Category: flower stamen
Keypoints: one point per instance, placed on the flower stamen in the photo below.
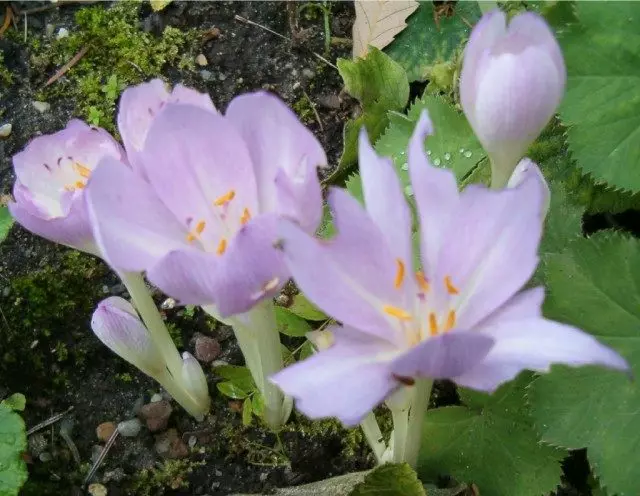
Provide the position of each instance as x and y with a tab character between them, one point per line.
451	289
224	199
222	246
433	324
200	227
423	284
399	274
396	312
246	216
82	170
451	320
80	185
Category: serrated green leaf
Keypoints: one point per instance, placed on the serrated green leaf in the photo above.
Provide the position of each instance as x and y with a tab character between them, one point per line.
327	229
380	85
354	187
238	375
290	324
247	411
390	480
231	390
16	402
433	35
6	221
602	103
13	442
594	285
492	444
302	307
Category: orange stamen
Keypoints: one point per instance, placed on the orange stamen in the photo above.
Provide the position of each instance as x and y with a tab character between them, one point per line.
422	281
224	199
246	216
396	312
82	170
190	237
451	289
222	246
200	227
451	320
399	274
433	324
79	185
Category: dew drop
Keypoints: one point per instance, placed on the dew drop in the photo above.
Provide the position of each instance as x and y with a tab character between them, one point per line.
461	150
447	156
428	152
436	162
405	166
408	190
403	153
467	153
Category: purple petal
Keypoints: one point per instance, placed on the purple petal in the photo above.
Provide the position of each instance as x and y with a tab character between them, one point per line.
385	200
131	225
182	94
527	169
346	381
491	249
526	304
436	194
298	199
445	356
194	158
535	344
276	140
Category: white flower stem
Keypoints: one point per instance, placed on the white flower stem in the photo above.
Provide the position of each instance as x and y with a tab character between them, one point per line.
259	340
400	418
196	407
134	282
419	406
373	435
487	5
499	176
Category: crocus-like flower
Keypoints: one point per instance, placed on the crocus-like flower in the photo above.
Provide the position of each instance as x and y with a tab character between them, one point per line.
511	83
462	316
202	220
52	172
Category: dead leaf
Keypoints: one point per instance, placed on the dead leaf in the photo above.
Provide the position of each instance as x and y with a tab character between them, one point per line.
378	22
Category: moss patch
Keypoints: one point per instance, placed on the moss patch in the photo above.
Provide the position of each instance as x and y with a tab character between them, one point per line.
119	54
172	474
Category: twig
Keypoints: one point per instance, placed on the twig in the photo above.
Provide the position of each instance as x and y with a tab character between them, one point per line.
62	71
261	26
49	421
8	15
315	111
101	458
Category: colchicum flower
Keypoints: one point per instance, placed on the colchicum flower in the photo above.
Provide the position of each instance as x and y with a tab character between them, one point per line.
52	172
511	83
201	216
463	316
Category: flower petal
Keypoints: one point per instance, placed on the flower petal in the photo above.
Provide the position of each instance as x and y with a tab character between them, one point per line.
526	304
276	140
525	169
535	344
300	199
131	225
445	356
346	381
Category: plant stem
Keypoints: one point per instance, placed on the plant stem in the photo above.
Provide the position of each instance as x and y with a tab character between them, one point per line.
178	392
487	5
373	435
499	179
419	405
400	426
259	340
327	27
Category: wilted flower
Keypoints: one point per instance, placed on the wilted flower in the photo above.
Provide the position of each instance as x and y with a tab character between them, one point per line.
511	83
52	172
463	316
202	220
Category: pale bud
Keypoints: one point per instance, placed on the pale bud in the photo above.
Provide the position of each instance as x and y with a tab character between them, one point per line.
195	382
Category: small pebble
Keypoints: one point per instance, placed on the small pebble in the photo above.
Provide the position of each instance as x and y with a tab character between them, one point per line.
49	29
206	75
130	428
168	304
97	489
329	101
206	349
37	443
156	415
155	398
62	33
137	405
41	106
45	456
215	485
308	73
5	130
170	445
192	441
222	77
263	476
201	60
105	430
218	473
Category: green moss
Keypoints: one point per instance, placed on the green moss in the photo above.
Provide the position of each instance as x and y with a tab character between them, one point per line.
119	54
125	377
172	474
304	109
176	334
6	78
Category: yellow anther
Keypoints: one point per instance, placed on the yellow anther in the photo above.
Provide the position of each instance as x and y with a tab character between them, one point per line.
79	185
224	199
82	170
451	320
200	227
433	324
451	289
190	237
222	246
399	273
396	312
246	216
422	281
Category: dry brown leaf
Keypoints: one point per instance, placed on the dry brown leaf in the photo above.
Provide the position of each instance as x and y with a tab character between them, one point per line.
378	22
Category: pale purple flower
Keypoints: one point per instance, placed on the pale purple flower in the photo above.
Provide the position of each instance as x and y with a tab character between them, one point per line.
463	316
52	172
511	83
525	169
118	326
201	218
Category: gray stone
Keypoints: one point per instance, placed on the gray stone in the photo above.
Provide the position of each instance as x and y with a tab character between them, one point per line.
130	428
41	107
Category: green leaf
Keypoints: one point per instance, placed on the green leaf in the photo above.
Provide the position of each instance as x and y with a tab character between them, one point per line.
390	480
6	221
602	104
306	351
594	285
16	402
453	144
257	402
327	229
354	187
13	442
231	390
238	375
290	324
492	443
302	307
247	411
427	42
380	85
